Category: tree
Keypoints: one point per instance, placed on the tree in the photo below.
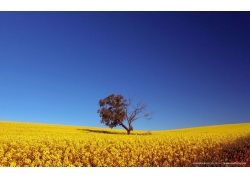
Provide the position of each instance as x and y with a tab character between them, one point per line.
114	110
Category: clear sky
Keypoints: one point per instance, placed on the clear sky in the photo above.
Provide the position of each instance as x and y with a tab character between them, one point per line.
191	68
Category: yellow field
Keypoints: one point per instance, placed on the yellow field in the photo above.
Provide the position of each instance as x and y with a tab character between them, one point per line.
27	144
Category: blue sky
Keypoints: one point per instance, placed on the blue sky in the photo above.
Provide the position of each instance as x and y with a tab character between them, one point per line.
191	68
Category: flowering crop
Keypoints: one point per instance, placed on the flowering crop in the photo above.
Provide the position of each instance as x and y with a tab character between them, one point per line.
39	145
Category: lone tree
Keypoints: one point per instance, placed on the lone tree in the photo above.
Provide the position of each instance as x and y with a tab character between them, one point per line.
114	110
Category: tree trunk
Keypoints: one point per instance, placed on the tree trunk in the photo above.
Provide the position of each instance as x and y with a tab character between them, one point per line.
128	130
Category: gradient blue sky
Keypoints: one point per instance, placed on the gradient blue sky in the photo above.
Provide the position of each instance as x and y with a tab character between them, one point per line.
191	68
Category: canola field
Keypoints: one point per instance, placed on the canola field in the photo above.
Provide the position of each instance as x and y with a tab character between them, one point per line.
41	145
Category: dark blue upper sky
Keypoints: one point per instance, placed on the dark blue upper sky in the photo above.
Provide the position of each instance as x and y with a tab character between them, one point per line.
191	68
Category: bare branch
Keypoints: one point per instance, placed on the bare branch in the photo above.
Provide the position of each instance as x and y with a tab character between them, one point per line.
138	112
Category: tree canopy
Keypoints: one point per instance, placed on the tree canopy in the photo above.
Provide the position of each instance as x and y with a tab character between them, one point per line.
114	110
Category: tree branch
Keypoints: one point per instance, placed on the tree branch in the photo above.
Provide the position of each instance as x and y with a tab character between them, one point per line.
134	115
